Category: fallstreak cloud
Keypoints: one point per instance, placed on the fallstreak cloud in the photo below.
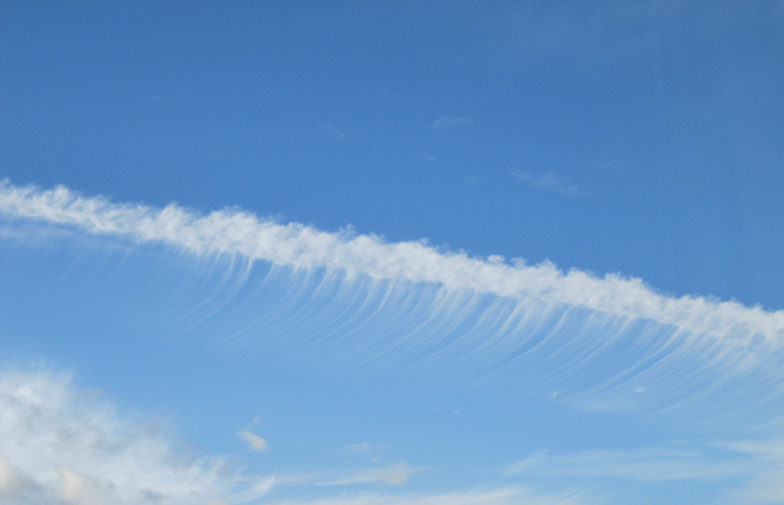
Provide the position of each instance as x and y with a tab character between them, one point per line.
602	343
235	232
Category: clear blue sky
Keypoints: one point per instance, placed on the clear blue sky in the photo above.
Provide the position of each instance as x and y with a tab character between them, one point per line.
641	138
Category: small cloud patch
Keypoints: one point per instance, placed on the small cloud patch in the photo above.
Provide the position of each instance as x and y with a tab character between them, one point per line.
255	442
550	182
445	122
363	447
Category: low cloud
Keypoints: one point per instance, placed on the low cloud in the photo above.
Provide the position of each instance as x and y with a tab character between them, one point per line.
80	489
62	446
59	446
444	122
16	483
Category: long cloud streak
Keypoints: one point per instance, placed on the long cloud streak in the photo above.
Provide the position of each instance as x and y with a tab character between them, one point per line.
236	232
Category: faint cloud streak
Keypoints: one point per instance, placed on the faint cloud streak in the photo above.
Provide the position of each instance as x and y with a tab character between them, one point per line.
426	157
550	182
444	123
332	131
499	496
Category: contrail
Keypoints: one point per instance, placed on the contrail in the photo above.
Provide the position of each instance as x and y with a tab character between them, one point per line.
410	310
235	232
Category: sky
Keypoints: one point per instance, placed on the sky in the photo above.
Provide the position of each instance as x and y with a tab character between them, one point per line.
365	253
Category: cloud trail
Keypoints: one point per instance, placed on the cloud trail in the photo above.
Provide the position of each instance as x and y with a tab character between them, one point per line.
412	311
241	233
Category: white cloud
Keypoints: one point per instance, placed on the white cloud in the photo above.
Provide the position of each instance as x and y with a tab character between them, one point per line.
59	445
235	232
79	489
550	182
254	441
444	122
64	446
16	483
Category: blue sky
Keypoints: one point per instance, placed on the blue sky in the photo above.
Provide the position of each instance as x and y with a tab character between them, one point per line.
343	253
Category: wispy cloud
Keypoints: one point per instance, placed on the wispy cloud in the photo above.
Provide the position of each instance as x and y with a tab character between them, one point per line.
767	484
395	474
756	467
502	496
445	122
398	473
255	442
332	131
550	181
645	465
